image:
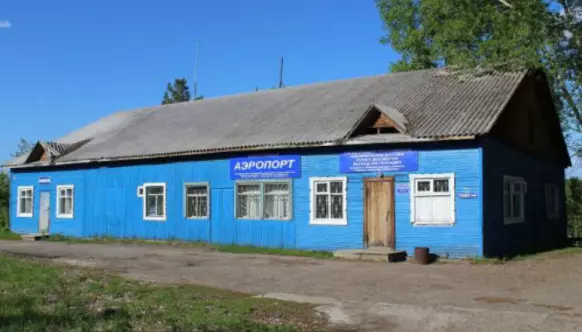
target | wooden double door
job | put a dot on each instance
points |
(379, 212)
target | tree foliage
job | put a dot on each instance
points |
(574, 206)
(4, 201)
(23, 147)
(178, 92)
(493, 34)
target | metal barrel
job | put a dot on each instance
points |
(422, 255)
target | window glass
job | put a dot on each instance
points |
(248, 201)
(441, 185)
(276, 200)
(196, 201)
(423, 186)
(514, 190)
(65, 201)
(432, 199)
(25, 197)
(155, 201)
(552, 201)
(327, 202)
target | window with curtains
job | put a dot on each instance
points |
(197, 200)
(25, 199)
(154, 201)
(432, 199)
(263, 200)
(328, 201)
(65, 201)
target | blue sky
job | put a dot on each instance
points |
(66, 63)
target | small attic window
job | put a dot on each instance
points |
(385, 130)
(375, 123)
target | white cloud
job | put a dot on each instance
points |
(5, 24)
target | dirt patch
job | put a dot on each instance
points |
(552, 306)
(292, 262)
(493, 299)
(152, 255)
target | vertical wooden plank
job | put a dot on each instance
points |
(379, 212)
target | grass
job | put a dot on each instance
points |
(486, 261)
(542, 255)
(216, 247)
(36, 296)
(9, 236)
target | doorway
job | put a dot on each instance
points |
(379, 212)
(44, 212)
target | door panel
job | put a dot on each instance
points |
(44, 212)
(379, 212)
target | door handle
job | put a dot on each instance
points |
(388, 216)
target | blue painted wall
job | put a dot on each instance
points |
(462, 239)
(537, 232)
(106, 204)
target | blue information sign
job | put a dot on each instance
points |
(402, 188)
(44, 180)
(467, 195)
(267, 167)
(394, 161)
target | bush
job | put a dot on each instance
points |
(4, 202)
(574, 207)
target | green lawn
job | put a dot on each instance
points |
(36, 296)
(550, 254)
(221, 248)
(9, 236)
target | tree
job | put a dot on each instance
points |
(23, 147)
(177, 92)
(494, 34)
(574, 206)
(4, 201)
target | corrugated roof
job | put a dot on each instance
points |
(436, 104)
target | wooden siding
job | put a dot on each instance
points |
(106, 204)
(529, 122)
(537, 232)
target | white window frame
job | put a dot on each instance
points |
(312, 201)
(435, 176)
(197, 184)
(552, 188)
(262, 183)
(513, 179)
(20, 190)
(65, 215)
(144, 201)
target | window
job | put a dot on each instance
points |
(65, 201)
(552, 201)
(328, 201)
(263, 200)
(197, 202)
(154, 202)
(514, 190)
(432, 199)
(25, 201)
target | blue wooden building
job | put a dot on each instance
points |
(466, 164)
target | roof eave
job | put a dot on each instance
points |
(288, 146)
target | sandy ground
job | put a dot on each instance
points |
(529, 295)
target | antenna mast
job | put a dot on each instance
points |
(281, 74)
(195, 87)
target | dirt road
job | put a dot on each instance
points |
(530, 295)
